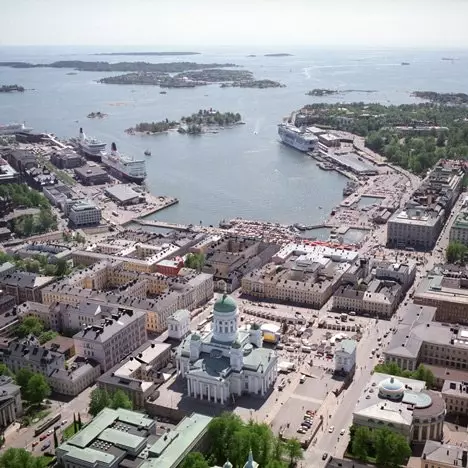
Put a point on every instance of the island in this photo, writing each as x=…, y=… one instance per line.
x=160, y=54
x=251, y=55
x=278, y=55
x=11, y=89
x=153, y=127
x=204, y=121
x=322, y=92
x=151, y=79
x=442, y=98
x=261, y=84
x=171, y=67
x=96, y=115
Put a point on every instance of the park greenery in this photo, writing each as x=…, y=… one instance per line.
x=101, y=399
x=229, y=438
x=456, y=252
x=20, y=458
x=34, y=326
x=37, y=264
x=34, y=387
x=22, y=196
x=32, y=224
x=432, y=131
x=386, y=448
x=195, y=261
x=421, y=373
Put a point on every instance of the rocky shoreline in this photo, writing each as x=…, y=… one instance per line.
x=96, y=115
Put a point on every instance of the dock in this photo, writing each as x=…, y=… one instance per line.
x=165, y=225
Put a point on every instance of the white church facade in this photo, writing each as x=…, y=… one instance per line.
x=226, y=362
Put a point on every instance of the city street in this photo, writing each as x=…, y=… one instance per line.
x=25, y=437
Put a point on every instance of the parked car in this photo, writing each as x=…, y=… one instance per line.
x=342, y=432
x=301, y=431
x=325, y=456
x=43, y=436
x=45, y=446
x=331, y=429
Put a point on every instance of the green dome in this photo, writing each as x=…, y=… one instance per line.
x=225, y=304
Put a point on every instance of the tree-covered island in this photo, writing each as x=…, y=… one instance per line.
x=172, y=67
x=96, y=115
x=330, y=92
x=456, y=99
x=11, y=88
x=260, y=84
x=195, y=124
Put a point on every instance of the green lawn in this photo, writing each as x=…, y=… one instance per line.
x=47, y=460
x=69, y=431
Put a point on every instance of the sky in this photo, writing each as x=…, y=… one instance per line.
x=281, y=23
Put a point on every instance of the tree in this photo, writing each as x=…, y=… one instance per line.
x=80, y=425
x=19, y=458
x=56, y=444
x=293, y=449
x=46, y=336
x=61, y=267
x=456, y=252
x=37, y=389
x=75, y=428
x=30, y=325
x=5, y=371
x=195, y=460
x=423, y=373
x=119, y=399
x=22, y=378
x=195, y=261
x=391, y=449
x=361, y=439
x=99, y=400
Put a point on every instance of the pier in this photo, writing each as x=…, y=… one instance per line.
x=165, y=225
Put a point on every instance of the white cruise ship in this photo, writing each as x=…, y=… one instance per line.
x=11, y=129
x=297, y=138
x=124, y=167
x=90, y=147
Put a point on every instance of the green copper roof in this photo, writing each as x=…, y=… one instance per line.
x=225, y=304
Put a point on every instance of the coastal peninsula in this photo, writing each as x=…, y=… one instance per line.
x=157, y=54
x=171, y=67
x=204, y=121
x=413, y=136
x=96, y=115
x=456, y=99
x=11, y=88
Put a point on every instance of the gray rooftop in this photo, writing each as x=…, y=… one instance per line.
x=122, y=192
x=437, y=452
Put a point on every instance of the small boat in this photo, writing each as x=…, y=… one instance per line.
x=162, y=92
x=147, y=152
x=320, y=207
x=405, y=63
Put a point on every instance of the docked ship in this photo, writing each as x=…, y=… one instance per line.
x=91, y=148
x=297, y=138
x=11, y=129
x=123, y=167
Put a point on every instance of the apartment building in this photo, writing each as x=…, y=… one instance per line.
x=447, y=289
x=230, y=258
x=115, y=337
x=66, y=159
x=84, y=213
x=419, y=340
x=138, y=375
x=24, y=286
x=459, y=228
x=419, y=223
x=11, y=406
x=439, y=455
x=303, y=274
x=455, y=395
x=157, y=295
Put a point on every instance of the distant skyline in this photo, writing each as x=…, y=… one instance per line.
x=191, y=24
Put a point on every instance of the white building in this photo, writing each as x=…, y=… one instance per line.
x=345, y=356
x=178, y=324
x=84, y=213
x=226, y=362
x=116, y=336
